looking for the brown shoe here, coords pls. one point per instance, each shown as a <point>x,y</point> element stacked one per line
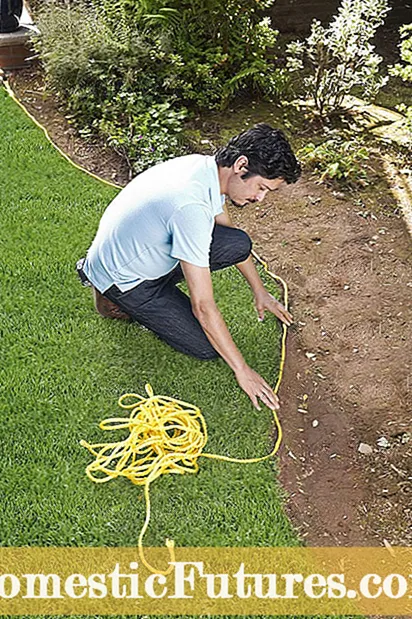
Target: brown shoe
<point>107,308</point>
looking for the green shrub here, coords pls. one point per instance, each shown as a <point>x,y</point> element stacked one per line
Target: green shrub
<point>131,70</point>
<point>339,58</point>
<point>111,76</point>
<point>220,45</point>
<point>223,46</point>
<point>160,128</point>
<point>404,71</point>
<point>338,158</point>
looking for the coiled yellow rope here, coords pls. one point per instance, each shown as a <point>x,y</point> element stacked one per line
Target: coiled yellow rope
<point>165,435</point>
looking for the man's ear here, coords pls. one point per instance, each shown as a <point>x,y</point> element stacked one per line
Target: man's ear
<point>240,165</point>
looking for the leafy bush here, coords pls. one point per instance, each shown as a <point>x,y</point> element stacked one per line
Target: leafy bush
<point>110,75</point>
<point>220,45</point>
<point>341,57</point>
<point>131,70</point>
<point>404,71</point>
<point>338,158</point>
<point>160,127</point>
<point>223,47</point>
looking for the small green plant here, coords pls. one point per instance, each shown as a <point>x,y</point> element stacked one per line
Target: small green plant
<point>338,158</point>
<point>404,71</point>
<point>337,59</point>
<point>153,134</point>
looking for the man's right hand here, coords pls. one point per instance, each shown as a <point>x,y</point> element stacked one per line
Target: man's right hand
<point>257,388</point>
<point>204,308</point>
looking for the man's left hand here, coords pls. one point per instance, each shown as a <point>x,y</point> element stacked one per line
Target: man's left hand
<point>265,301</point>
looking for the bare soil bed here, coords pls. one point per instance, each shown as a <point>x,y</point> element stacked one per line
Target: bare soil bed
<point>348,380</point>
<point>348,372</point>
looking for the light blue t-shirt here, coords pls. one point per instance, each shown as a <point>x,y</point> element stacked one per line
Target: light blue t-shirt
<point>164,215</point>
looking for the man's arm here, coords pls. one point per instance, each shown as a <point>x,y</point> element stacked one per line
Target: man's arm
<point>247,268</point>
<point>263,299</point>
<point>223,219</point>
<point>206,311</point>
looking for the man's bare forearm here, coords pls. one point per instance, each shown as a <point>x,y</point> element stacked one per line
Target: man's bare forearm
<point>206,311</point>
<point>249,272</point>
<point>218,334</point>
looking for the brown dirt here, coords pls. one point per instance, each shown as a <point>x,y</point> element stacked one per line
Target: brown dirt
<point>348,377</point>
<point>348,364</point>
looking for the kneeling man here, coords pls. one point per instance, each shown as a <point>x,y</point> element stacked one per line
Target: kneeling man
<point>169,223</point>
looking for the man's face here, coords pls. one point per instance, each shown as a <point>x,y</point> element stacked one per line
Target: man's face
<point>252,189</point>
<point>249,190</point>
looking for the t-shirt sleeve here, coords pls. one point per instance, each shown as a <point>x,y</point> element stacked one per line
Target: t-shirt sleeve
<point>191,235</point>
<point>219,209</point>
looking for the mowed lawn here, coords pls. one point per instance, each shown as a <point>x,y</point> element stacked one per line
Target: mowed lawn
<point>64,367</point>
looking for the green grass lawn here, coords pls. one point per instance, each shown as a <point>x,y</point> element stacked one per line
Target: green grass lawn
<point>64,367</point>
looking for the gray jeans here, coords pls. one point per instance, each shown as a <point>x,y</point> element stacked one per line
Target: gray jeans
<point>163,308</point>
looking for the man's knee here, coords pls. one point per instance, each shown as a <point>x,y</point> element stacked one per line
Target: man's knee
<point>229,246</point>
<point>243,244</point>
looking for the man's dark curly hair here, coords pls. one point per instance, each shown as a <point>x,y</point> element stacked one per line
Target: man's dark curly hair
<point>268,151</point>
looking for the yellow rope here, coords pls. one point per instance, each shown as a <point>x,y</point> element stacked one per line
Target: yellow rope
<point>59,150</point>
<point>284,327</point>
<point>165,435</point>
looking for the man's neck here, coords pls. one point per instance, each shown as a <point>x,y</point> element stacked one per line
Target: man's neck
<point>224,175</point>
